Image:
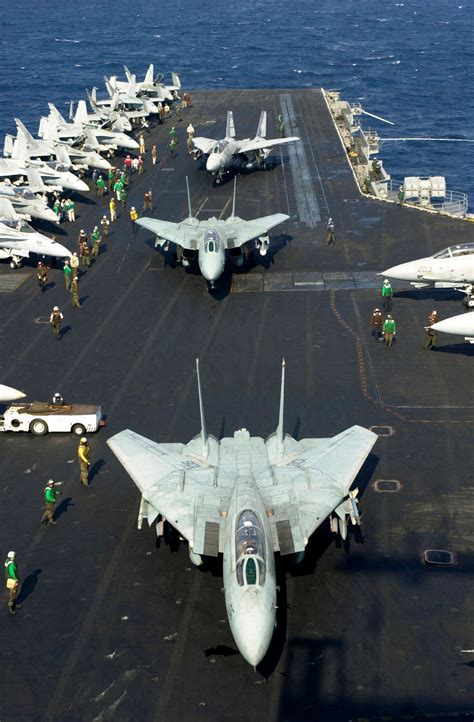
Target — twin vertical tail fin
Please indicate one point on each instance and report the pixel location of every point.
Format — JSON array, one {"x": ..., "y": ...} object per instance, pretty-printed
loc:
[
  {"x": 262, "y": 125},
  {"x": 190, "y": 211},
  {"x": 233, "y": 199},
  {"x": 280, "y": 433},
  {"x": 230, "y": 128},
  {"x": 176, "y": 81},
  {"x": 204, "y": 439}
]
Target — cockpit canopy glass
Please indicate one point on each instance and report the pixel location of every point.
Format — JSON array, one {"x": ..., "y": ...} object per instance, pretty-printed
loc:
[
  {"x": 219, "y": 147},
  {"x": 211, "y": 241},
  {"x": 462, "y": 249},
  {"x": 249, "y": 550}
]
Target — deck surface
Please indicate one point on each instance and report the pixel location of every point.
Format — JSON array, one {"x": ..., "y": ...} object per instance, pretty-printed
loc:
[{"x": 115, "y": 628}]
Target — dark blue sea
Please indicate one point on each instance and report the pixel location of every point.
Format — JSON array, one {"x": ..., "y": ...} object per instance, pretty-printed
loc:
[{"x": 411, "y": 62}]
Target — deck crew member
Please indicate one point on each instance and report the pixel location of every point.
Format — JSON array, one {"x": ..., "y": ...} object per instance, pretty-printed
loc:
[
  {"x": 83, "y": 455},
  {"x": 133, "y": 218},
  {"x": 389, "y": 330},
  {"x": 12, "y": 581},
  {"x": 105, "y": 223},
  {"x": 42, "y": 276},
  {"x": 85, "y": 253},
  {"x": 154, "y": 155},
  {"x": 330, "y": 232},
  {"x": 74, "y": 262},
  {"x": 75, "y": 292},
  {"x": 281, "y": 125},
  {"x": 71, "y": 211},
  {"x": 387, "y": 293},
  {"x": 401, "y": 196},
  {"x": 141, "y": 143},
  {"x": 111, "y": 179},
  {"x": 55, "y": 321},
  {"x": 96, "y": 239},
  {"x": 113, "y": 210},
  {"x": 376, "y": 322},
  {"x": 148, "y": 200},
  {"x": 58, "y": 399},
  {"x": 67, "y": 270},
  {"x": 50, "y": 496},
  {"x": 100, "y": 186},
  {"x": 140, "y": 164},
  {"x": 431, "y": 334}
]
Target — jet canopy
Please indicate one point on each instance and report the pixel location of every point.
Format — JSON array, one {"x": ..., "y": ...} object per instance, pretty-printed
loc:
[
  {"x": 211, "y": 241},
  {"x": 219, "y": 146},
  {"x": 462, "y": 249},
  {"x": 18, "y": 225},
  {"x": 249, "y": 550}
]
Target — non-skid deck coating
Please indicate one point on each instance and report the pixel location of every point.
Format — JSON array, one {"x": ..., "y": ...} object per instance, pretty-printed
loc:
[{"x": 114, "y": 628}]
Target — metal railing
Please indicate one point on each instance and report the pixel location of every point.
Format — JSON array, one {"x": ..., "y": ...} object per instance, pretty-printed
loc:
[{"x": 454, "y": 202}]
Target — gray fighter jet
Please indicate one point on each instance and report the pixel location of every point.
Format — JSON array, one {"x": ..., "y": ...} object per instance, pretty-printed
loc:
[
  {"x": 222, "y": 153},
  {"x": 18, "y": 239},
  {"x": 50, "y": 145},
  {"x": 211, "y": 240},
  {"x": 453, "y": 267},
  {"x": 53, "y": 175},
  {"x": 24, "y": 200},
  {"x": 246, "y": 498}
]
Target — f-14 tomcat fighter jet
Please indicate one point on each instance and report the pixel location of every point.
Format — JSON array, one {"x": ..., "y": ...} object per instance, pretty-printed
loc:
[
  {"x": 453, "y": 267},
  {"x": 246, "y": 498},
  {"x": 222, "y": 153},
  {"x": 211, "y": 240}
]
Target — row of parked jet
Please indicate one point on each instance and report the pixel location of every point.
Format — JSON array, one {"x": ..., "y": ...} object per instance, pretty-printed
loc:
[{"x": 64, "y": 150}]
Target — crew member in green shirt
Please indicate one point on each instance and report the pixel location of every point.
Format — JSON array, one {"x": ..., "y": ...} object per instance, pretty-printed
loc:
[
  {"x": 389, "y": 330},
  {"x": 100, "y": 186},
  {"x": 50, "y": 496},
  {"x": 387, "y": 293}
]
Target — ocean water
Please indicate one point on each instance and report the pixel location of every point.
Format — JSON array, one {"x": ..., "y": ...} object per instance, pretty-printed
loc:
[{"x": 411, "y": 62}]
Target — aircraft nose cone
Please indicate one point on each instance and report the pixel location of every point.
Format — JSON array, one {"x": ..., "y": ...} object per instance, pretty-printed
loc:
[
  {"x": 130, "y": 143},
  {"x": 213, "y": 163},
  {"x": 76, "y": 183},
  {"x": 403, "y": 272},
  {"x": 462, "y": 325},
  {"x": 252, "y": 633},
  {"x": 9, "y": 394}
]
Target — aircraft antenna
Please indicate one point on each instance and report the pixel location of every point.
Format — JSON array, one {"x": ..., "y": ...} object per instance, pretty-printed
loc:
[
  {"x": 205, "y": 443},
  {"x": 233, "y": 200},
  {"x": 279, "y": 431},
  {"x": 189, "y": 206}
]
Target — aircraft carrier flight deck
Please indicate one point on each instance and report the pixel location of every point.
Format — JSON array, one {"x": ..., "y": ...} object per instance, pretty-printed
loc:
[{"x": 116, "y": 626}]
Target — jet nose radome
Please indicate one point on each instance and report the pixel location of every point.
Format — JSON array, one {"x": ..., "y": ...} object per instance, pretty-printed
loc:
[
  {"x": 404, "y": 271},
  {"x": 253, "y": 632},
  {"x": 69, "y": 180},
  {"x": 46, "y": 214},
  {"x": 213, "y": 163},
  {"x": 462, "y": 325},
  {"x": 127, "y": 142},
  {"x": 9, "y": 394}
]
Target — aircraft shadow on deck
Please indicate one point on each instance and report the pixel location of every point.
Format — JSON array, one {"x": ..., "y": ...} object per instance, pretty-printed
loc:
[
  {"x": 464, "y": 348},
  {"x": 241, "y": 168},
  {"x": 426, "y": 294}
]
